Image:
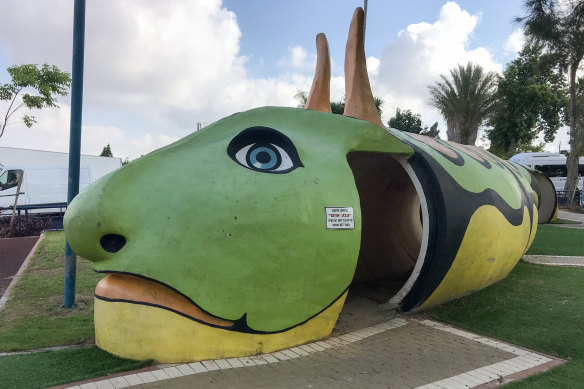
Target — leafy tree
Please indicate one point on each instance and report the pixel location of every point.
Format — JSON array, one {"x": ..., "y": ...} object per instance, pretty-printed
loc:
[
  {"x": 465, "y": 99},
  {"x": 107, "y": 151},
  {"x": 559, "y": 26},
  {"x": 47, "y": 81},
  {"x": 378, "y": 104},
  {"x": 337, "y": 107},
  {"x": 433, "y": 131},
  {"x": 410, "y": 122},
  {"x": 302, "y": 98},
  {"x": 530, "y": 101}
]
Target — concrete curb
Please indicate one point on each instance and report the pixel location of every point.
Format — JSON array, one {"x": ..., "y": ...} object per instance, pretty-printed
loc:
[
  {"x": 555, "y": 260},
  {"x": 525, "y": 363}
]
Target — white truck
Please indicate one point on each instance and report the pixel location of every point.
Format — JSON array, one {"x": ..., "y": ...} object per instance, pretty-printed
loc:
[
  {"x": 552, "y": 165},
  {"x": 45, "y": 176}
]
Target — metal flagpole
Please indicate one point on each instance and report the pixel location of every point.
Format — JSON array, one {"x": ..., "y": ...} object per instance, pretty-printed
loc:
[{"x": 75, "y": 140}]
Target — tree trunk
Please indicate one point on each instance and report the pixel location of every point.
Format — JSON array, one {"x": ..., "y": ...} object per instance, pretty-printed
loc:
[
  {"x": 450, "y": 130},
  {"x": 471, "y": 136},
  {"x": 511, "y": 147},
  {"x": 456, "y": 132},
  {"x": 575, "y": 137},
  {"x": 20, "y": 176}
]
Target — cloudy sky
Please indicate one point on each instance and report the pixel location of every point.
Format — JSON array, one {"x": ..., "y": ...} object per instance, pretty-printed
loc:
[{"x": 154, "y": 69}]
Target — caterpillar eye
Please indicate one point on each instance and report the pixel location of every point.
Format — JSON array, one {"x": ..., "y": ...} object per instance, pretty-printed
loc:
[{"x": 265, "y": 150}]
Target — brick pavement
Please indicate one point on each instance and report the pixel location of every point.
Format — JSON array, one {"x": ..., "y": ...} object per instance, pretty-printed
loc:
[
  {"x": 400, "y": 353},
  {"x": 405, "y": 357},
  {"x": 13, "y": 252}
]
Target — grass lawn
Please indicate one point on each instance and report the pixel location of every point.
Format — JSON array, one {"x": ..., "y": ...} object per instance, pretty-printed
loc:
[
  {"x": 538, "y": 307},
  {"x": 58, "y": 367},
  {"x": 33, "y": 318},
  {"x": 553, "y": 240}
]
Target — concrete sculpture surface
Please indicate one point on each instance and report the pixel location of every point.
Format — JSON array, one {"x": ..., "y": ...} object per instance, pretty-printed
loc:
[{"x": 245, "y": 237}]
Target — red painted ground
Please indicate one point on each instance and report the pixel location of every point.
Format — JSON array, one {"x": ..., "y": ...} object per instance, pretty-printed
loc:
[{"x": 13, "y": 251}]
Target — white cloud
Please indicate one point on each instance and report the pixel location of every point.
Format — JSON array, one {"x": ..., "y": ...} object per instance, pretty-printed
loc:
[
  {"x": 372, "y": 66},
  {"x": 175, "y": 63},
  {"x": 298, "y": 59},
  {"x": 171, "y": 63},
  {"x": 419, "y": 54},
  {"x": 52, "y": 133},
  {"x": 515, "y": 41},
  {"x": 561, "y": 141}
]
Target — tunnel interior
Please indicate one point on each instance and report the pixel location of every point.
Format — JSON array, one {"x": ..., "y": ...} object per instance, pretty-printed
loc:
[
  {"x": 392, "y": 227},
  {"x": 547, "y": 201}
]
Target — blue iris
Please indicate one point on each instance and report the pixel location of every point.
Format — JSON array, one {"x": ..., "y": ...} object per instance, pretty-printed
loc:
[{"x": 263, "y": 158}]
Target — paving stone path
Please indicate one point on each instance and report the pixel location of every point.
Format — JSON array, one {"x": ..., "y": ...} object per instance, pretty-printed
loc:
[
  {"x": 400, "y": 353},
  {"x": 577, "y": 217}
]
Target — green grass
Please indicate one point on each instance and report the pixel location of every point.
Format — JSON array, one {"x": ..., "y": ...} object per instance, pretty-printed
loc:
[
  {"x": 553, "y": 240},
  {"x": 538, "y": 307},
  {"x": 52, "y": 368},
  {"x": 33, "y": 317}
]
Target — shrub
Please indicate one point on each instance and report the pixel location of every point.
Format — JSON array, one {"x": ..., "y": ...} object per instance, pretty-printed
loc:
[{"x": 22, "y": 225}]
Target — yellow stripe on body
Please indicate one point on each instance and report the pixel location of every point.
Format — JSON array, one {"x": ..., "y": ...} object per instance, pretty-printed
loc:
[
  {"x": 555, "y": 217},
  {"x": 533, "y": 228},
  {"x": 142, "y": 332},
  {"x": 491, "y": 247}
]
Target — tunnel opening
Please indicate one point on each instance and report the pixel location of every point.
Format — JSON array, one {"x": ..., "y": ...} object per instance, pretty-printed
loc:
[
  {"x": 547, "y": 203},
  {"x": 391, "y": 236}
]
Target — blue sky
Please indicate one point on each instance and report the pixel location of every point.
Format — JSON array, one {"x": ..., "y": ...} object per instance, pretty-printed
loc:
[
  {"x": 270, "y": 27},
  {"x": 154, "y": 69}
]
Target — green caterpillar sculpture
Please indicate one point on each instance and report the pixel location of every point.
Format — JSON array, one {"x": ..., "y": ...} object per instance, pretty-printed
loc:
[{"x": 244, "y": 237}]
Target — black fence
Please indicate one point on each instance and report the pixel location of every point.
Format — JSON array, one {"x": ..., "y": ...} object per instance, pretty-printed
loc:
[
  {"x": 564, "y": 197},
  {"x": 55, "y": 211}
]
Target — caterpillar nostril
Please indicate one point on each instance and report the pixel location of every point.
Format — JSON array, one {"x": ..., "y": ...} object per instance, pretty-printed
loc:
[{"x": 112, "y": 243}]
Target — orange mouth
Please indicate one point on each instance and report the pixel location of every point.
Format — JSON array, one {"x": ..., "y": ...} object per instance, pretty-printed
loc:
[{"x": 136, "y": 290}]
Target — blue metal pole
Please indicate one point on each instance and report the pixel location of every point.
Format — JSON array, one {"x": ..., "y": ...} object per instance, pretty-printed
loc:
[
  {"x": 75, "y": 140},
  {"x": 365, "y": 19}
]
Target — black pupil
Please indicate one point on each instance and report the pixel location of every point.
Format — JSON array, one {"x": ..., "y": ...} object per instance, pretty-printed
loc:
[{"x": 263, "y": 157}]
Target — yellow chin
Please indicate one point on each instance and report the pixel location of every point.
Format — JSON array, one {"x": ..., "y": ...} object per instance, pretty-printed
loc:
[{"x": 142, "y": 332}]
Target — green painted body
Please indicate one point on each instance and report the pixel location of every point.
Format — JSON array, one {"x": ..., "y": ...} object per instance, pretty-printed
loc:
[
  {"x": 236, "y": 241},
  {"x": 233, "y": 218}
]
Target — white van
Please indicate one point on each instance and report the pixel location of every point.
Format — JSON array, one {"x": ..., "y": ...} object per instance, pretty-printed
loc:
[
  {"x": 40, "y": 185},
  {"x": 552, "y": 165}
]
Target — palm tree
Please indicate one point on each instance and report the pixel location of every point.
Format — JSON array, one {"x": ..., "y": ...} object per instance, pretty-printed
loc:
[
  {"x": 559, "y": 25},
  {"x": 465, "y": 100}
]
